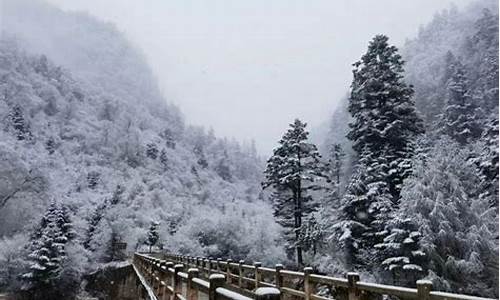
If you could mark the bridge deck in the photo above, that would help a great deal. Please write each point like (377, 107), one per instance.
(175, 277)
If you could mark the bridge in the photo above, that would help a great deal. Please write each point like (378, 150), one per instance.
(177, 277)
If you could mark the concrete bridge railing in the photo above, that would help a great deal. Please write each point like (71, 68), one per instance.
(176, 277)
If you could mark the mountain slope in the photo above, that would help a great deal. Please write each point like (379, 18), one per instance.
(98, 133)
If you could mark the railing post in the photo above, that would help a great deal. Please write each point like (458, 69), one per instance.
(218, 264)
(278, 280)
(267, 294)
(352, 279)
(240, 273)
(161, 278)
(192, 293)
(207, 267)
(177, 282)
(228, 271)
(209, 260)
(156, 276)
(215, 281)
(258, 276)
(307, 283)
(424, 288)
(168, 280)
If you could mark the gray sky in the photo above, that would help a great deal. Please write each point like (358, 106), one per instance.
(248, 68)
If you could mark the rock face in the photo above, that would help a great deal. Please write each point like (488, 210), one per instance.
(113, 282)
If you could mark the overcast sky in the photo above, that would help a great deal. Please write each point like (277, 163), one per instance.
(248, 68)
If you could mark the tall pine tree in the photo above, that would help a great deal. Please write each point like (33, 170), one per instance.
(293, 171)
(459, 119)
(384, 126)
(385, 120)
(47, 253)
(153, 235)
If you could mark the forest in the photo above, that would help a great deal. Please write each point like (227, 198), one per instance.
(403, 186)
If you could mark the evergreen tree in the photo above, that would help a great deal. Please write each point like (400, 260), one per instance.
(152, 150)
(200, 154)
(405, 260)
(364, 211)
(93, 178)
(93, 224)
(222, 167)
(459, 118)
(64, 223)
(337, 156)
(164, 159)
(311, 234)
(117, 195)
(47, 253)
(153, 235)
(385, 120)
(19, 124)
(50, 145)
(488, 159)
(458, 228)
(483, 61)
(168, 135)
(435, 102)
(384, 125)
(293, 171)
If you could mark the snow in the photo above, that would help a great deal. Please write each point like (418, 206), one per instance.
(267, 291)
(412, 267)
(418, 253)
(231, 295)
(216, 276)
(399, 259)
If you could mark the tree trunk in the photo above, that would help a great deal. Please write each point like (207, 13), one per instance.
(299, 256)
(298, 224)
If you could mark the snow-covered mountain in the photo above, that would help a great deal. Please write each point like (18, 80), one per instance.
(83, 123)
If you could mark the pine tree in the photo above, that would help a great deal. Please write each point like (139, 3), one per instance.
(164, 159)
(405, 260)
(435, 102)
(458, 228)
(200, 154)
(293, 171)
(93, 224)
(153, 235)
(385, 120)
(47, 252)
(168, 135)
(364, 211)
(50, 145)
(152, 150)
(222, 167)
(19, 124)
(117, 195)
(64, 223)
(336, 162)
(93, 178)
(488, 160)
(384, 125)
(459, 119)
(311, 234)
(483, 61)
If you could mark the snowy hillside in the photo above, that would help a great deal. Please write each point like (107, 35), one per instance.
(96, 136)
(401, 185)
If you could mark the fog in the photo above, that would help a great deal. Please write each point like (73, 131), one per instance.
(247, 69)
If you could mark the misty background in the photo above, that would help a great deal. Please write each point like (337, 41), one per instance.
(247, 69)
(98, 147)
